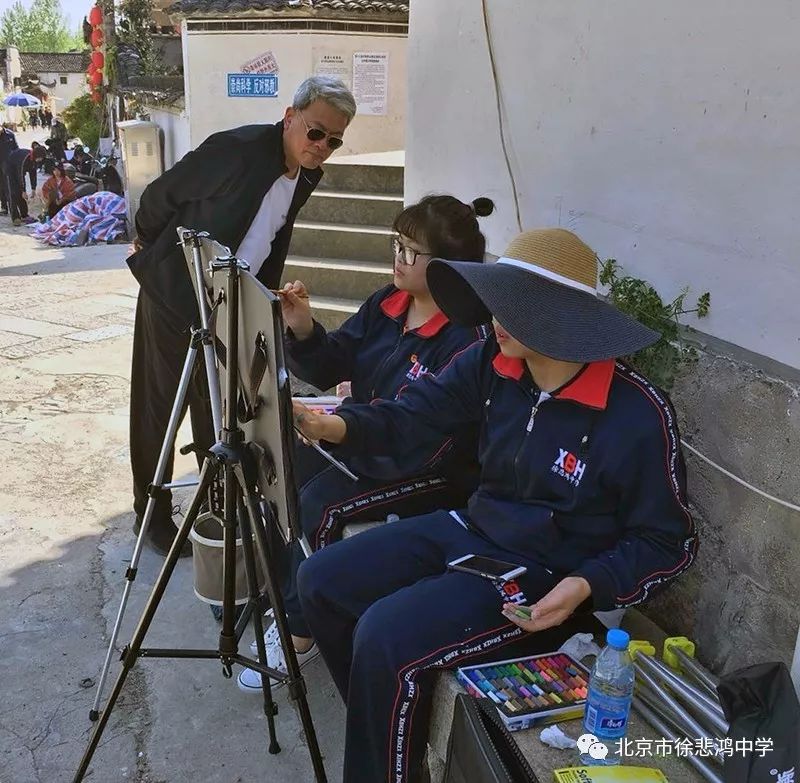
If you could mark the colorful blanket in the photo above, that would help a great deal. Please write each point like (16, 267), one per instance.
(98, 217)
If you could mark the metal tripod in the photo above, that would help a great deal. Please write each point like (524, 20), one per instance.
(229, 459)
(200, 337)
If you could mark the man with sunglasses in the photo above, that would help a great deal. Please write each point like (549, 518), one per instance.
(244, 187)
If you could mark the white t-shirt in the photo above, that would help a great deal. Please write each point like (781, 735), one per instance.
(269, 219)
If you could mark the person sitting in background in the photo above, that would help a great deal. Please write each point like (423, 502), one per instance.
(21, 163)
(81, 160)
(398, 336)
(582, 483)
(58, 190)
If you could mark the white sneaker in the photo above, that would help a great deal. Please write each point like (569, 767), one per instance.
(250, 681)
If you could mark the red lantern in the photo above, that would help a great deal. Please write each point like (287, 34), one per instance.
(96, 78)
(91, 69)
(96, 16)
(97, 96)
(98, 59)
(97, 38)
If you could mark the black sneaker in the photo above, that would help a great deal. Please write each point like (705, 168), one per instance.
(160, 538)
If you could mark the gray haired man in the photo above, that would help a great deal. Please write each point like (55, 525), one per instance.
(244, 186)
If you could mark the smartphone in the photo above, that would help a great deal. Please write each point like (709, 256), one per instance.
(496, 570)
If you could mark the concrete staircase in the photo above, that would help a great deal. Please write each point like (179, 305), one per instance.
(340, 245)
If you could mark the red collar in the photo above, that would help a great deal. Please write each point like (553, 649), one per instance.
(589, 387)
(396, 306)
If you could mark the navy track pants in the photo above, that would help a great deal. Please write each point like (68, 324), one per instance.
(387, 614)
(329, 500)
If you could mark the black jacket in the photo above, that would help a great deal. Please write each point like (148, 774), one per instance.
(8, 143)
(19, 164)
(216, 188)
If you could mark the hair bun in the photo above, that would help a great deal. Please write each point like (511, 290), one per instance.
(483, 206)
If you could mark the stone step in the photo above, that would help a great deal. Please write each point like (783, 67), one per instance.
(362, 178)
(313, 239)
(352, 280)
(338, 206)
(332, 311)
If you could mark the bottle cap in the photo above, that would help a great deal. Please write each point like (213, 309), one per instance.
(618, 639)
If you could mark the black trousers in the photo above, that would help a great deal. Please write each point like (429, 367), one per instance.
(159, 353)
(15, 187)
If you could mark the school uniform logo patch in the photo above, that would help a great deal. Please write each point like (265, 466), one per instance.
(417, 369)
(569, 467)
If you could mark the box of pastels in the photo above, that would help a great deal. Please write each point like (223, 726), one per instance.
(530, 691)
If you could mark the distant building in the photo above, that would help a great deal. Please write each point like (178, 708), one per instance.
(59, 77)
(243, 60)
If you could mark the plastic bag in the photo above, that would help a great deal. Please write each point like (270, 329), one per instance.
(761, 707)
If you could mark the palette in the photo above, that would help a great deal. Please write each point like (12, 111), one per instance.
(530, 691)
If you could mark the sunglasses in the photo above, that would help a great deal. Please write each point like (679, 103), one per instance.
(315, 134)
(407, 255)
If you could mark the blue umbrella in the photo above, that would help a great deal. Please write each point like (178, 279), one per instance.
(22, 99)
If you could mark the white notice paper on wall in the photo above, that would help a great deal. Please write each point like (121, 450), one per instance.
(330, 64)
(371, 82)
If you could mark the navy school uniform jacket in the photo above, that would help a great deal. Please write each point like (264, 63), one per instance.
(380, 358)
(588, 482)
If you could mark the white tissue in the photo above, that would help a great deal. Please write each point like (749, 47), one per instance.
(579, 646)
(555, 738)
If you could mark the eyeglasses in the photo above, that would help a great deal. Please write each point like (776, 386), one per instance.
(407, 255)
(315, 134)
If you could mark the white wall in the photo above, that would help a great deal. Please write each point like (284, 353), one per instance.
(666, 135)
(175, 125)
(65, 93)
(209, 57)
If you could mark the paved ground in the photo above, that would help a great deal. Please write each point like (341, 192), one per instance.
(66, 319)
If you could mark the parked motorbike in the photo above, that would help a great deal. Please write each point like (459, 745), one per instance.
(91, 174)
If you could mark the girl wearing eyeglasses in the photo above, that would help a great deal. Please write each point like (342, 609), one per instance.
(397, 336)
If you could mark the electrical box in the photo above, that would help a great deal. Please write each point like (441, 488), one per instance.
(143, 160)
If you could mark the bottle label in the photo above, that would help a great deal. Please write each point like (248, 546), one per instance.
(607, 716)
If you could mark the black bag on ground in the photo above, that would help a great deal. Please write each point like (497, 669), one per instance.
(481, 749)
(760, 703)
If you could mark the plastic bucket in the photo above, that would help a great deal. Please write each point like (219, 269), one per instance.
(207, 558)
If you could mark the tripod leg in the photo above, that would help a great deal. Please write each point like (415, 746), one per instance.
(270, 710)
(131, 652)
(295, 682)
(130, 575)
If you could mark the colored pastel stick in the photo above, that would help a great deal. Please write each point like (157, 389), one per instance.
(494, 698)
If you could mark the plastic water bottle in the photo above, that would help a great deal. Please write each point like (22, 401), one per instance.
(608, 703)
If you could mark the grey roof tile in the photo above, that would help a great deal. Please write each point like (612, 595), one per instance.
(344, 8)
(52, 62)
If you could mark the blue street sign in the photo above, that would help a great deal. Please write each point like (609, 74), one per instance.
(252, 85)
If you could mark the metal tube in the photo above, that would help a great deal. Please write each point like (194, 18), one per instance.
(704, 769)
(678, 720)
(694, 669)
(208, 346)
(663, 695)
(164, 456)
(687, 693)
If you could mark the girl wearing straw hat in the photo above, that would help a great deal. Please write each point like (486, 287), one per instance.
(582, 483)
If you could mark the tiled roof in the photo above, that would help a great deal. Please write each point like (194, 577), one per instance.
(48, 62)
(328, 8)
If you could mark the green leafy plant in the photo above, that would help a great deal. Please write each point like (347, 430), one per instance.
(133, 30)
(41, 28)
(662, 361)
(83, 118)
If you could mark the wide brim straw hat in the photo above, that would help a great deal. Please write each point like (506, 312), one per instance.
(543, 291)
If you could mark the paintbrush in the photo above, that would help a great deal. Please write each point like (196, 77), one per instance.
(280, 291)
